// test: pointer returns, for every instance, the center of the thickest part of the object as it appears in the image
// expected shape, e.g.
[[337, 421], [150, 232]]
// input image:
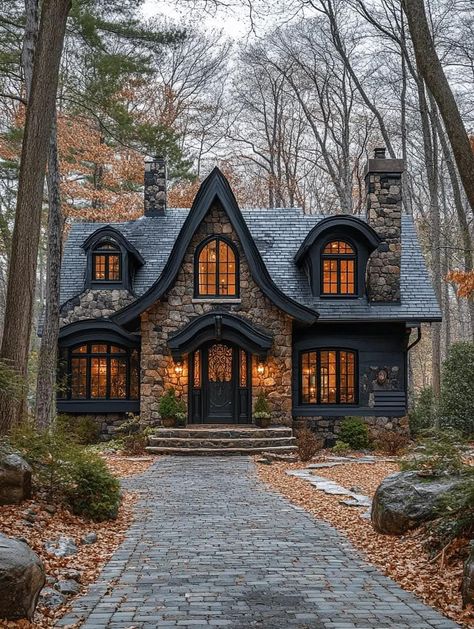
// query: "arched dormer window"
[[111, 259], [216, 269], [338, 268], [106, 262]]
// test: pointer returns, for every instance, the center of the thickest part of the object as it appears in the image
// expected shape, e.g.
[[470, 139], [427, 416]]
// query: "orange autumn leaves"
[[99, 182], [464, 281]]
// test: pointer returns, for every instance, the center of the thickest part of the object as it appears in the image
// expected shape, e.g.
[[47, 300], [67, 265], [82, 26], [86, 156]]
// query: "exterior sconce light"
[[260, 368], [178, 367]]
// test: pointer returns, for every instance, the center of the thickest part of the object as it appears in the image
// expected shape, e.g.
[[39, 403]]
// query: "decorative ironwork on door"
[[220, 363]]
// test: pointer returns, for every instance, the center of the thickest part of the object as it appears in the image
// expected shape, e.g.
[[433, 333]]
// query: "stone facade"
[[384, 210], [178, 307], [92, 304], [328, 428], [155, 187]]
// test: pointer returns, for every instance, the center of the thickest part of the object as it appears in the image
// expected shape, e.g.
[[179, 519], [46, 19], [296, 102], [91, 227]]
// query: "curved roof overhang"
[[339, 223], [220, 326], [215, 187], [107, 232], [96, 330]]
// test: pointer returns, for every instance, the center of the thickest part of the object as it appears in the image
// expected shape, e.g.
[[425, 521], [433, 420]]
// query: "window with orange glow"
[[328, 376], [106, 263], [103, 371], [216, 269], [338, 264]]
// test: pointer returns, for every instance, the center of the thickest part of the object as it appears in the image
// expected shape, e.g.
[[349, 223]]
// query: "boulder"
[[15, 479], [62, 547], [51, 598], [67, 587], [467, 587], [89, 538], [21, 579], [405, 500]]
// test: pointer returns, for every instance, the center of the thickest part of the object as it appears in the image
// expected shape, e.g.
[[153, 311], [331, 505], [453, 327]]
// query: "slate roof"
[[278, 234]]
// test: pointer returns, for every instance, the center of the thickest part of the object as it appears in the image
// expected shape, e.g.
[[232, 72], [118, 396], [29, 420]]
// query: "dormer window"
[[338, 267], [106, 263], [216, 269]]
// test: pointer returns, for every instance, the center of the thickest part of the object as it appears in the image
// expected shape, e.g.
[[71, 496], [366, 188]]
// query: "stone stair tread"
[[218, 451], [224, 441]]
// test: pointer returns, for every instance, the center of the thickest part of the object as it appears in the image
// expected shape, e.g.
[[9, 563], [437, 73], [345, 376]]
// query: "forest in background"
[[289, 113]]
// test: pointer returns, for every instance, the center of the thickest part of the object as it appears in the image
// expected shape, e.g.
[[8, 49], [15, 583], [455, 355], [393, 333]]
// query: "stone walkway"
[[212, 546]]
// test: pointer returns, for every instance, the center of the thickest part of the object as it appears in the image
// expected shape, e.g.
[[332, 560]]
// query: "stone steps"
[[196, 451], [222, 440]]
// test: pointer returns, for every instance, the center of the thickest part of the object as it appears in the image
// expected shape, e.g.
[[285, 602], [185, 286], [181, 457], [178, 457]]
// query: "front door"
[[219, 379]]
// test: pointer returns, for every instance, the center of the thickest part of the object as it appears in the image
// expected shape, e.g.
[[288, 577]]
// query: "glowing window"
[[328, 376], [338, 263], [106, 263], [216, 269]]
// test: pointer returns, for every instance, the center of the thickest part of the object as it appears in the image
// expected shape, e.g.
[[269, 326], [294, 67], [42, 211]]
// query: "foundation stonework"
[[178, 307]]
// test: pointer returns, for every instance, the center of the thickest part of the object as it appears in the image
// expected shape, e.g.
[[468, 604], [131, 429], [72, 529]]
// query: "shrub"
[[307, 444], [170, 405], [93, 492], [84, 429], [340, 447], [457, 390], [390, 441], [438, 452], [355, 433], [65, 470], [262, 405], [135, 444], [422, 415]]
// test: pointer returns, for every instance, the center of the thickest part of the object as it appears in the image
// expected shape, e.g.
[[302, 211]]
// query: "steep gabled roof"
[[216, 188]]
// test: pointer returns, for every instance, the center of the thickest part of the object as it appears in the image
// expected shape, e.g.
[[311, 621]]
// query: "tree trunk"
[[29, 43], [45, 384], [26, 232], [432, 72]]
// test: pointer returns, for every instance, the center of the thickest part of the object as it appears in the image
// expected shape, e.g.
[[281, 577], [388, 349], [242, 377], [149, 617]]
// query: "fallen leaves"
[[404, 559], [51, 523]]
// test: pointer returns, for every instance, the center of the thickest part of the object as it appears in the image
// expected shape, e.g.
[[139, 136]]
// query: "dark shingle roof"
[[278, 233]]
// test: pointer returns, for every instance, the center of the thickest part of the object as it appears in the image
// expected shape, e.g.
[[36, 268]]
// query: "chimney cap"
[[382, 164], [379, 152]]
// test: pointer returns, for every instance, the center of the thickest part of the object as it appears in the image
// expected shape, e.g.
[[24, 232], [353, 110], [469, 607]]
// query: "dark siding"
[[379, 346]]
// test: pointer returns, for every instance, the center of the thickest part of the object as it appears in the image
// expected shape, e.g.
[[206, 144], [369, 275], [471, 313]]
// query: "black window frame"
[[218, 238], [339, 257], [318, 402], [126, 356], [106, 252]]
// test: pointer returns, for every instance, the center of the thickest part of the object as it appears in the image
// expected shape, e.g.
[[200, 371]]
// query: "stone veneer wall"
[[328, 428], [92, 304], [177, 308], [384, 208]]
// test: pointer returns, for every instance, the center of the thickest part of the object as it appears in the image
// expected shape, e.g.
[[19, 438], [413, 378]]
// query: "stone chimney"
[[383, 186], [155, 186]]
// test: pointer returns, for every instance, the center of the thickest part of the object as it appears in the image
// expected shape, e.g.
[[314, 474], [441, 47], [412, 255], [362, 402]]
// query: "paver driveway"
[[213, 546]]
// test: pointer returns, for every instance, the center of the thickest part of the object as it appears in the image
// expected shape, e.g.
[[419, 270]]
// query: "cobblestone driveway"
[[212, 546]]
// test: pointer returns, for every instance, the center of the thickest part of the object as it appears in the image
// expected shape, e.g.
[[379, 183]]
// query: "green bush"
[[421, 417], [64, 470], [171, 406], [355, 433], [340, 447], [437, 452], [93, 492], [457, 390], [83, 429], [262, 405]]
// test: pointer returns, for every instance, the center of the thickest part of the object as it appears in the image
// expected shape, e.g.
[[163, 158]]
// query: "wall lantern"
[[260, 368], [178, 367]]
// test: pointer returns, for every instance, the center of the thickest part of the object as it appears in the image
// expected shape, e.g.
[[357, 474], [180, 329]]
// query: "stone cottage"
[[223, 303]]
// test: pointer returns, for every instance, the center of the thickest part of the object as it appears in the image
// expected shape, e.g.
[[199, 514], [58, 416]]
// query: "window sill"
[[216, 300], [98, 406]]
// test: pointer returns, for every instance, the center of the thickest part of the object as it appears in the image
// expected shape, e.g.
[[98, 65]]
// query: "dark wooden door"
[[220, 383]]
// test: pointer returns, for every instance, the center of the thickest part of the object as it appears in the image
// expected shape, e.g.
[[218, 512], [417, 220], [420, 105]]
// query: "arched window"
[[338, 268], [216, 269], [103, 371], [328, 376], [106, 262]]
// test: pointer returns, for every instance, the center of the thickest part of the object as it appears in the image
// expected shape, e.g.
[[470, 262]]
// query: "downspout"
[[415, 342]]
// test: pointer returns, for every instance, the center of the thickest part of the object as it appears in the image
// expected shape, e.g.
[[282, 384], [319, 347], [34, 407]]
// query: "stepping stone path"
[[212, 546]]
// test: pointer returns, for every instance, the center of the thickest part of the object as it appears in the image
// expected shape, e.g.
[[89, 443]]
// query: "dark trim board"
[[334, 410], [96, 330], [215, 188], [219, 325], [98, 406]]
